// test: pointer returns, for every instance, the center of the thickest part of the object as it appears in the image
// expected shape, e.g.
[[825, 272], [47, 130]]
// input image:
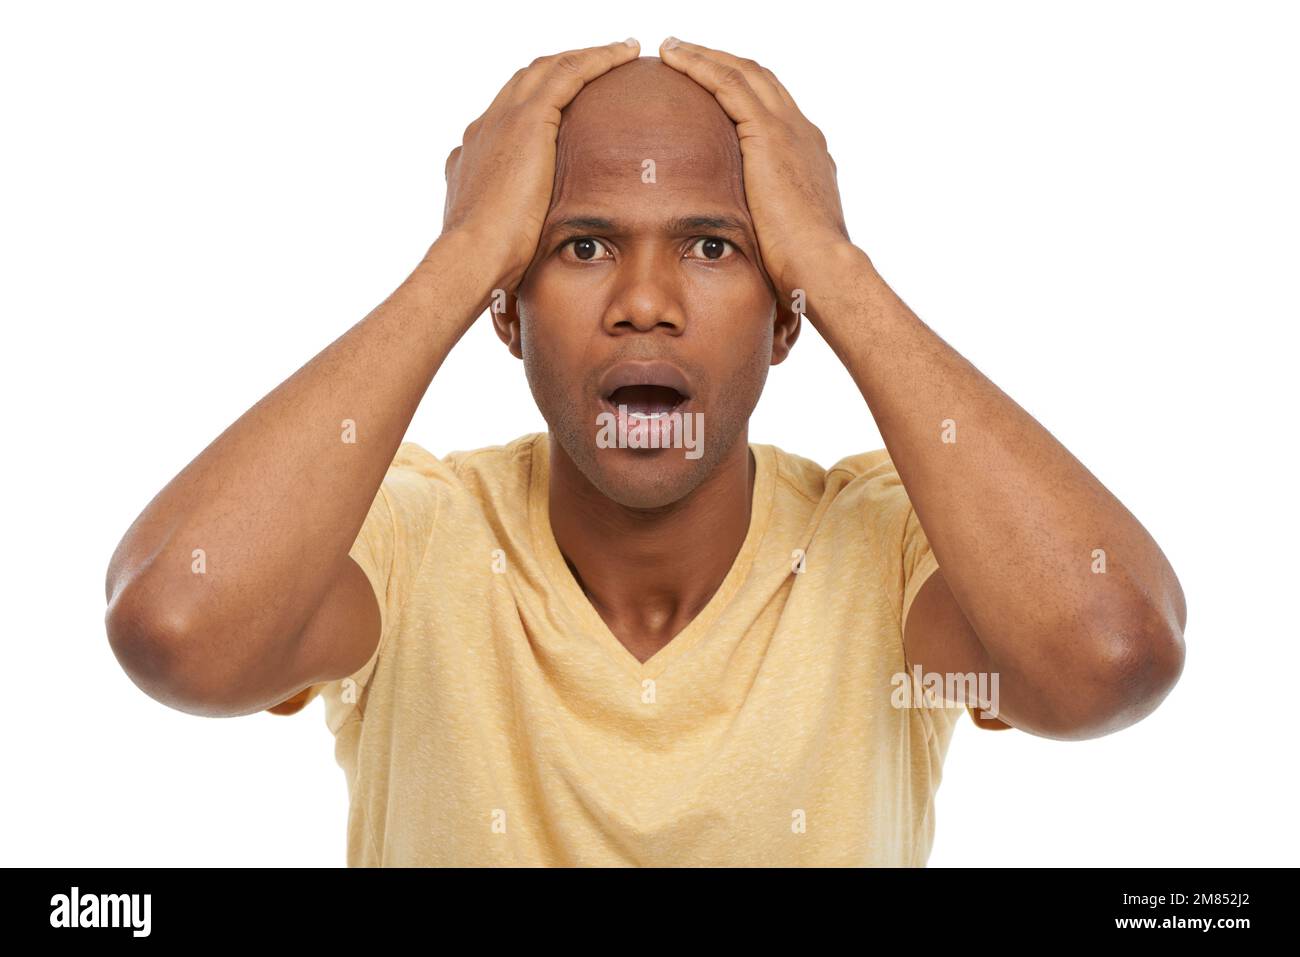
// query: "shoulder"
[[870, 472], [859, 498], [497, 477], [421, 490], [494, 460], [413, 463], [870, 481], [466, 493], [869, 475]]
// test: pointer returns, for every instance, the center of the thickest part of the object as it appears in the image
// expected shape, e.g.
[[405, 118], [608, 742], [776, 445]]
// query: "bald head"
[[644, 110]]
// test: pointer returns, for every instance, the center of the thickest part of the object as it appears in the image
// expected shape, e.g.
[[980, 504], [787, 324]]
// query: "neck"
[[649, 572]]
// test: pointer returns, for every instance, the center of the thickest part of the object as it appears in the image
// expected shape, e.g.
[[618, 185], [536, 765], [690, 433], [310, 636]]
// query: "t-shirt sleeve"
[[389, 548], [919, 563], [904, 550], [893, 530]]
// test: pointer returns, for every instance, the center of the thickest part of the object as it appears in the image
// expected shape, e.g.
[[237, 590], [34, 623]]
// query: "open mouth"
[[646, 401]]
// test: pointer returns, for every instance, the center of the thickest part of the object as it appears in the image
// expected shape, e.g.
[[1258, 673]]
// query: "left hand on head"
[[790, 184]]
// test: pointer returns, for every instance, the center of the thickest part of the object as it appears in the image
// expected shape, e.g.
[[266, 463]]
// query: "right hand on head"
[[499, 179]]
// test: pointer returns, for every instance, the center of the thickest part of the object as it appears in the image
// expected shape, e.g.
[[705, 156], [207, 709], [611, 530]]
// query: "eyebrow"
[[679, 225]]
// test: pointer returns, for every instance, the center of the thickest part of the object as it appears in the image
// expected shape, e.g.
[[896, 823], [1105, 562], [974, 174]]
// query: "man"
[[638, 638]]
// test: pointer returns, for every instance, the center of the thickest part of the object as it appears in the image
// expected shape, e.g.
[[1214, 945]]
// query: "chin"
[[644, 478]]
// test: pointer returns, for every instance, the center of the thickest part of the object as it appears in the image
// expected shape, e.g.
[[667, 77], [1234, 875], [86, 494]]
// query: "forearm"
[[242, 543], [1020, 527]]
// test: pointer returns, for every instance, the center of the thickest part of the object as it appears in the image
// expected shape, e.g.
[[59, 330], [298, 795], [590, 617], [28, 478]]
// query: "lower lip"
[[648, 434]]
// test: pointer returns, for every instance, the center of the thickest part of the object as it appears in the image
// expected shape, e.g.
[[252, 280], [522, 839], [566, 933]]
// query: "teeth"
[[647, 415]]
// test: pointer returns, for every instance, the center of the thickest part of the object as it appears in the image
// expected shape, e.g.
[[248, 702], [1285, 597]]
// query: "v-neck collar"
[[580, 606]]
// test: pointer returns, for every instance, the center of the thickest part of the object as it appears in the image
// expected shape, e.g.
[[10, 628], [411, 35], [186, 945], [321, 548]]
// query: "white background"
[[1095, 203]]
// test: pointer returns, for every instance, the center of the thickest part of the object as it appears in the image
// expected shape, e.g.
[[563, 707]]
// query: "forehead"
[[647, 174]]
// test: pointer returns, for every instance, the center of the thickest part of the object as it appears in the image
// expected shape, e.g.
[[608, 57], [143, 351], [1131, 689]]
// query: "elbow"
[[1134, 667], [157, 645], [1145, 669]]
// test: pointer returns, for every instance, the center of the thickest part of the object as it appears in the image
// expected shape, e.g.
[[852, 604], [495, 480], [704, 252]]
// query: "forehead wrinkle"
[[617, 180], [665, 138], [693, 173]]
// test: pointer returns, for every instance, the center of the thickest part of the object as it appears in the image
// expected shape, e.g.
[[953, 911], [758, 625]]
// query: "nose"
[[647, 297]]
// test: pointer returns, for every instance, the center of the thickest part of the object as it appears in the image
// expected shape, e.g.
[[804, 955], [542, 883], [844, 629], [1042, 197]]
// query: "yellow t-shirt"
[[501, 722]]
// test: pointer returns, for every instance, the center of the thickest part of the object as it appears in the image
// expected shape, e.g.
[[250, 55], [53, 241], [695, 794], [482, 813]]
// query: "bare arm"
[[274, 504], [233, 589], [1046, 579]]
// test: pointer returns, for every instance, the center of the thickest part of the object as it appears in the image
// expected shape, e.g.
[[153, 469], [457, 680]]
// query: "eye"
[[585, 248], [713, 248]]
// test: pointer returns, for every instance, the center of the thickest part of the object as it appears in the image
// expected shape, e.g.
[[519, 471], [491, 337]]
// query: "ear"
[[786, 324], [505, 320]]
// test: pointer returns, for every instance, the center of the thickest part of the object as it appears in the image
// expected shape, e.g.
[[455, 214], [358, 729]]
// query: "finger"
[[560, 77], [715, 66], [786, 97], [507, 94], [780, 88]]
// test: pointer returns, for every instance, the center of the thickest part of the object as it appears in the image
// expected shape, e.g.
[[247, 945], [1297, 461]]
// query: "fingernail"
[[669, 43], [631, 41]]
